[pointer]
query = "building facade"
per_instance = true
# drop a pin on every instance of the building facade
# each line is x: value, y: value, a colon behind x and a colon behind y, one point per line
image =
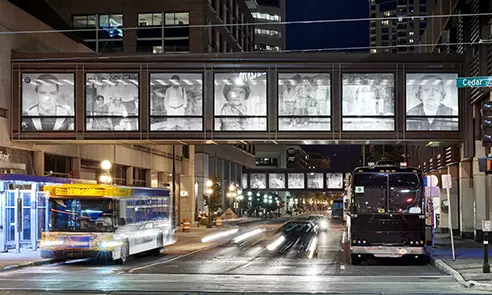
x: 154, y: 27
x: 402, y: 28
x: 468, y: 36
x: 269, y: 35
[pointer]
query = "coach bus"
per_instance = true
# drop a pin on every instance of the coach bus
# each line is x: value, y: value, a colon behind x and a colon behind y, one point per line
x: 386, y: 213
x: 105, y: 221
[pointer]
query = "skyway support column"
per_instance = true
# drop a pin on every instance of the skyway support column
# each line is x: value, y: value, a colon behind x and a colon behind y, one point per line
x: 479, y: 191
x: 467, y: 199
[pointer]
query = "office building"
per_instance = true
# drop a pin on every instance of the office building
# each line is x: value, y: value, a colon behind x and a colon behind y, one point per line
x: 317, y: 161
x: 173, y: 26
x: 401, y: 29
x: 269, y: 35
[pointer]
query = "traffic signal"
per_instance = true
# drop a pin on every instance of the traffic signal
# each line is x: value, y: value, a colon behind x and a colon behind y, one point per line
x: 489, y: 166
x: 486, y: 123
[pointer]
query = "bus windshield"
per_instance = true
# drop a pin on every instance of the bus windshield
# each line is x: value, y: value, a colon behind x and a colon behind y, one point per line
x: 82, y: 214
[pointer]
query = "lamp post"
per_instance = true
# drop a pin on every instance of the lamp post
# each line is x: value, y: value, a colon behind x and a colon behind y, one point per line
x: 209, y: 193
x: 106, y: 177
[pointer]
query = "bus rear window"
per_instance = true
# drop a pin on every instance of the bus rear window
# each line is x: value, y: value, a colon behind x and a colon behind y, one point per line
x: 370, y: 192
x: 404, y: 192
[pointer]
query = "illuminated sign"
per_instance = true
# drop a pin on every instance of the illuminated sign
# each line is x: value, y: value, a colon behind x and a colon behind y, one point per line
x: 80, y: 191
x: 250, y: 76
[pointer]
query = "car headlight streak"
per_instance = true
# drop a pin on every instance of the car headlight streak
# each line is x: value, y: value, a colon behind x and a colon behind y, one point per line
x: 276, y: 243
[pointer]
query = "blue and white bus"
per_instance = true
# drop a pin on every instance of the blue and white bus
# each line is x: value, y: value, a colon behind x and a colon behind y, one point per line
x: 106, y: 221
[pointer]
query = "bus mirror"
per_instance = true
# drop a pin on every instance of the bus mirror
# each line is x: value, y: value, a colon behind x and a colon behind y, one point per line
x: 121, y: 221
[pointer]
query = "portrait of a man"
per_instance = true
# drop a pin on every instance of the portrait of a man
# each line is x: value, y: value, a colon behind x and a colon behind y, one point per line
x: 50, y: 112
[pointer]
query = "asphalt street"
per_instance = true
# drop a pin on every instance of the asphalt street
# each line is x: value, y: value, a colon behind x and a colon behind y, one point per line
x: 235, y: 268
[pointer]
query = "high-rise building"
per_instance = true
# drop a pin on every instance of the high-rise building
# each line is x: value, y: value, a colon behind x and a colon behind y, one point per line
x: 157, y: 27
x: 396, y: 24
x: 269, y: 35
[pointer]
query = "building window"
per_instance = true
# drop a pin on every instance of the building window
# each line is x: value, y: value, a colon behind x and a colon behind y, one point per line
x: 374, y: 50
x: 186, y: 151
x: 150, y: 20
x: 85, y: 22
x: 266, y: 162
x: 387, y: 13
x: 109, y: 37
x: 267, y: 32
x: 385, y: 22
x: 139, y: 177
x: 177, y: 18
x: 111, y: 25
x: 410, y: 41
x: 411, y: 33
x: 176, y: 37
x: 266, y: 16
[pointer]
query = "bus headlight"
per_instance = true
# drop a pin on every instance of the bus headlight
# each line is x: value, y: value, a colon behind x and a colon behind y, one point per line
x: 323, y: 224
x: 110, y: 244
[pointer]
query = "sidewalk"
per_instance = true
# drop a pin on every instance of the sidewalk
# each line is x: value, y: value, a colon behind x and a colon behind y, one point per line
x: 467, y: 268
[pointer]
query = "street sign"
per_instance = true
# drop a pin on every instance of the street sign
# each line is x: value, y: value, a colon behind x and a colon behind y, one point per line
x: 467, y: 82
x: 486, y: 225
x: 446, y: 181
x: 431, y: 180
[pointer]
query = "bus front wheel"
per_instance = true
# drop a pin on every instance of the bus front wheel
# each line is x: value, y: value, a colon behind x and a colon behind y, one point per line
x: 125, y: 253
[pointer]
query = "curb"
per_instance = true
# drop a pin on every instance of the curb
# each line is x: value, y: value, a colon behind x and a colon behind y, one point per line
x: 31, y: 264
x: 443, y: 266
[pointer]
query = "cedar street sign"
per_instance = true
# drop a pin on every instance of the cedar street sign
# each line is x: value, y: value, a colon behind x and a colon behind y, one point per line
x: 467, y: 82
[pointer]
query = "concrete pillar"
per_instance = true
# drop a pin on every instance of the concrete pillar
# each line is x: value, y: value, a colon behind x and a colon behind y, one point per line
x: 201, y: 176
x: 467, y: 199
x: 454, y: 194
x: 38, y: 159
x: 479, y: 190
x: 129, y: 176
x: 76, y: 167
x: 148, y: 178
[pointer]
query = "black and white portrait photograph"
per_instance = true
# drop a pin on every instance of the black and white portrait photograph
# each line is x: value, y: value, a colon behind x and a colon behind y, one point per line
x: 257, y: 181
x: 112, y: 101
x: 334, y: 180
x: 244, y: 181
x: 47, y: 102
x: 315, y: 180
x: 432, y: 102
x: 301, y: 96
x: 276, y: 180
x: 176, y: 101
x: 368, y: 102
x: 295, y: 180
x: 240, y: 102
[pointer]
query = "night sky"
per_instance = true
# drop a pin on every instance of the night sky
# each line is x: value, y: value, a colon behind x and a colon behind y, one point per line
x: 329, y: 35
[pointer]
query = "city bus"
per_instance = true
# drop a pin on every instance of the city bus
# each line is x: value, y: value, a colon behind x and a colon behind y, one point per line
x: 386, y: 215
x: 337, y: 209
x: 105, y: 221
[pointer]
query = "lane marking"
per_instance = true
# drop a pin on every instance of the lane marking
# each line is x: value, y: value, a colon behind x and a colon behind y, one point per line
x: 172, y: 259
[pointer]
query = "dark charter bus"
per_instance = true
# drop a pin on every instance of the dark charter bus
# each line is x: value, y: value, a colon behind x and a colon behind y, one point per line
x: 386, y: 215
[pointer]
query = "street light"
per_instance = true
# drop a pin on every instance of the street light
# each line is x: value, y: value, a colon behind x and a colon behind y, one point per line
x: 106, y: 175
x: 209, y: 183
x: 106, y: 165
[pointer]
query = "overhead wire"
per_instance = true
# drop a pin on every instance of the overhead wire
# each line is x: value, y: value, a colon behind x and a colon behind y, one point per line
x: 323, y: 21
x: 224, y: 54
x: 330, y: 49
